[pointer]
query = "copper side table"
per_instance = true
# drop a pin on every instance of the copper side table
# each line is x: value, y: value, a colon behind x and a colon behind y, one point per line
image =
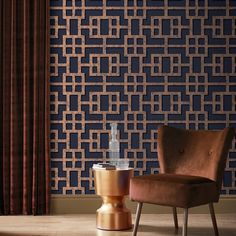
x: 113, y: 186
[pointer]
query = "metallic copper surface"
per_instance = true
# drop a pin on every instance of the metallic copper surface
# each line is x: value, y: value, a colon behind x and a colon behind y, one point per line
x: 112, y: 186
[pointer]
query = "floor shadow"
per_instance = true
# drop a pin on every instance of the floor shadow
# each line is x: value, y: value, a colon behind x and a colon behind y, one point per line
x: 112, y: 233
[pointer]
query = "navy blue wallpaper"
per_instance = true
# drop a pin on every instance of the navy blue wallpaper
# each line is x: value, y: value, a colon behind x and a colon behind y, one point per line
x: 141, y: 64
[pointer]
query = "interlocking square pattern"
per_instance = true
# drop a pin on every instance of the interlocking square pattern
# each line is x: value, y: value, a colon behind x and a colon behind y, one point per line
x: 140, y: 64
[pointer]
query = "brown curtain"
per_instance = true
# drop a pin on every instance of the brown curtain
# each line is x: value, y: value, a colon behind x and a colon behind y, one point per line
x: 24, y: 104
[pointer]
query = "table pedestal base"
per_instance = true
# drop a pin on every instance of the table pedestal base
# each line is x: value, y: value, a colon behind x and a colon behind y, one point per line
x: 113, y: 214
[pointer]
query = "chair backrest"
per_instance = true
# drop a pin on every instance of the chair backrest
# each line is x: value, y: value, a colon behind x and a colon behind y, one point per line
x: 194, y: 152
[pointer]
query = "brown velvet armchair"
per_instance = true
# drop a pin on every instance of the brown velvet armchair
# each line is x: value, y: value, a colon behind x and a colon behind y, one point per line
x: 192, y: 164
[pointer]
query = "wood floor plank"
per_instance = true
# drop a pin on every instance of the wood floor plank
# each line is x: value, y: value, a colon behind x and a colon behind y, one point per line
x: 85, y: 225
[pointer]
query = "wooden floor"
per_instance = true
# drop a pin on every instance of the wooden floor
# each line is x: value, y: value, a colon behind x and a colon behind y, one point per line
x: 74, y: 225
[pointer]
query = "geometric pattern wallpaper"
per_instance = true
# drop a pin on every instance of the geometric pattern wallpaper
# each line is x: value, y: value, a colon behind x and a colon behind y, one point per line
x: 140, y: 64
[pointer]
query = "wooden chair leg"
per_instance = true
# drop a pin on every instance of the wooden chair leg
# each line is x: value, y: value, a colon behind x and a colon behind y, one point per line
x: 138, y: 213
x: 175, y: 218
x: 185, y: 224
x: 213, y: 218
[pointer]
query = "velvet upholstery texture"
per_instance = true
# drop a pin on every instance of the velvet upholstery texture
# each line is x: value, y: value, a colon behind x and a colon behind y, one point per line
x: 24, y: 104
x: 173, y: 190
x: 191, y: 164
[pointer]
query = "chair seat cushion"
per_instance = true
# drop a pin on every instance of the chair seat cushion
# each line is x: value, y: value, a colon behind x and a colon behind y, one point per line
x: 173, y: 190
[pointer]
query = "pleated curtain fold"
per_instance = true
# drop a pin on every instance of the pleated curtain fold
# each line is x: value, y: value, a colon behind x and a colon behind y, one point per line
x: 24, y: 104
